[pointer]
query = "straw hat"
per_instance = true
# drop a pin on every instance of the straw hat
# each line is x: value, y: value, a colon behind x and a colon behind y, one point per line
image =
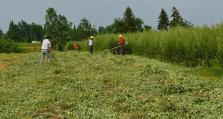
x: 120, y: 35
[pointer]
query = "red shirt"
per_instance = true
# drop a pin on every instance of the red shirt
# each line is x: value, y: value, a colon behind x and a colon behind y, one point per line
x: 121, y: 41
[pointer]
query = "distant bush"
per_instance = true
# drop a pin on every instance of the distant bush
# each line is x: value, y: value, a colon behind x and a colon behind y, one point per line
x: 7, y: 46
x: 68, y: 45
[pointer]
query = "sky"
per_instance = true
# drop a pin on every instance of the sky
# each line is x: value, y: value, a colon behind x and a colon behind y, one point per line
x: 103, y: 12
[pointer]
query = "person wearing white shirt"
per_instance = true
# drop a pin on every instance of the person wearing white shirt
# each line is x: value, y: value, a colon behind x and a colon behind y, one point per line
x: 91, y: 44
x: 46, y: 49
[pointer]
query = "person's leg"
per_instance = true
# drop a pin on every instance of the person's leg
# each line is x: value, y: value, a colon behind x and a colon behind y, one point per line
x: 92, y: 49
x: 42, y: 56
x: 89, y: 49
x: 121, y: 49
x: 49, y: 56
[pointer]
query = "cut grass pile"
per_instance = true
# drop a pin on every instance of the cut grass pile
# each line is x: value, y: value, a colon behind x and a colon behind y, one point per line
x: 78, y: 85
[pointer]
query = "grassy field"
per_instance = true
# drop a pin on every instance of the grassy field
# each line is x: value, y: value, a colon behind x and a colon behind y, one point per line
x: 102, y: 86
x: 29, y: 47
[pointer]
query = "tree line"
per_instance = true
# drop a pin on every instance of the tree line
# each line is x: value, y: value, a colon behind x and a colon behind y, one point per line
x: 177, y: 20
x: 61, y: 30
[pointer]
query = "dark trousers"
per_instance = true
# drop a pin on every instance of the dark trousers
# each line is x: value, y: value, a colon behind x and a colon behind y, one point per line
x: 122, y: 50
x: 90, y: 48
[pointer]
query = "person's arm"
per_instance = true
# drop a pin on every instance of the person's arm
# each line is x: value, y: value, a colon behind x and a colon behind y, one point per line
x: 49, y: 47
x: 94, y: 41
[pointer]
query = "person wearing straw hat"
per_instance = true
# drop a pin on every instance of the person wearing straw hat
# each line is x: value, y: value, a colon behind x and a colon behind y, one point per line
x: 121, y: 45
x: 46, y: 49
x: 91, y: 44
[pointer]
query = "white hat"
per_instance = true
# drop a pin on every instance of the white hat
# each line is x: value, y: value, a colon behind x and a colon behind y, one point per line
x: 92, y: 37
x: 120, y: 35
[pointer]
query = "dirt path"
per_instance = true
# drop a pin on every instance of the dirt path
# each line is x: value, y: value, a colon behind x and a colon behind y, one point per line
x: 6, y: 61
x: 3, y: 66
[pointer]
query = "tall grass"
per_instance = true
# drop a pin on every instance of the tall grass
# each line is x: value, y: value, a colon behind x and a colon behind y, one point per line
x: 191, y: 46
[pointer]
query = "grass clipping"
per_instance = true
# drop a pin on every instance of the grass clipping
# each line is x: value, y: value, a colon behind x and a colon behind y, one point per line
x: 79, y: 85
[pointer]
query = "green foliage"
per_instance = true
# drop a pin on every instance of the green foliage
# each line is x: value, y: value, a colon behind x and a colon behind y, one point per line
x: 163, y: 21
x: 13, y: 31
x: 102, y: 30
x: 58, y: 28
x: 30, y: 32
x: 36, y: 32
x: 129, y: 23
x: 133, y: 23
x: 76, y: 85
x: 70, y: 46
x: 1, y: 34
x: 190, y: 46
x: 107, y: 42
x: 24, y: 32
x: 147, y: 28
x: 177, y: 20
x: 85, y: 29
x: 7, y: 46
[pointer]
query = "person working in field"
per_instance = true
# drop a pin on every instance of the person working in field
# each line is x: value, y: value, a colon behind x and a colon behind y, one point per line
x: 46, y: 49
x: 91, y: 44
x: 121, y: 45
x: 76, y: 46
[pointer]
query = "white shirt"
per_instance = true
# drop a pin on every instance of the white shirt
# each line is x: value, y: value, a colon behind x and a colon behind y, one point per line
x: 46, y: 44
x: 90, y: 42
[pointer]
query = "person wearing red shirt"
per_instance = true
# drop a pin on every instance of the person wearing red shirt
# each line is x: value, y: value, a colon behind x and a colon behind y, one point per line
x: 121, y: 45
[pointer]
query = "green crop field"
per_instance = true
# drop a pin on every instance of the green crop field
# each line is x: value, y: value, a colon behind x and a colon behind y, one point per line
x: 190, y: 46
x: 104, y: 86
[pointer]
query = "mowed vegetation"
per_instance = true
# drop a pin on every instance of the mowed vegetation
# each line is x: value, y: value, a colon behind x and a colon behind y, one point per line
x: 190, y: 46
x: 79, y: 85
x: 153, y: 82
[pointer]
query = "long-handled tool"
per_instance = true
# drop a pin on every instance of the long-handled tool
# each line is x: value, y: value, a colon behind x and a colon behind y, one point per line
x: 114, y: 48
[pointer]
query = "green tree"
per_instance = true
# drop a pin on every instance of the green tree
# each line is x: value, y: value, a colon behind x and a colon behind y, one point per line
x: 177, y: 20
x: 119, y: 26
x: 109, y: 29
x: 186, y: 23
x: 74, y: 33
x: 94, y: 31
x: 138, y: 24
x: 29, y: 32
x: 58, y: 28
x: 101, y: 30
x: 163, y: 20
x: 147, y: 28
x: 1, y: 34
x: 129, y: 23
x: 132, y: 23
x: 13, y: 32
x: 51, y: 25
x: 85, y: 29
x: 129, y: 19
x: 24, y: 30
x: 37, y: 32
